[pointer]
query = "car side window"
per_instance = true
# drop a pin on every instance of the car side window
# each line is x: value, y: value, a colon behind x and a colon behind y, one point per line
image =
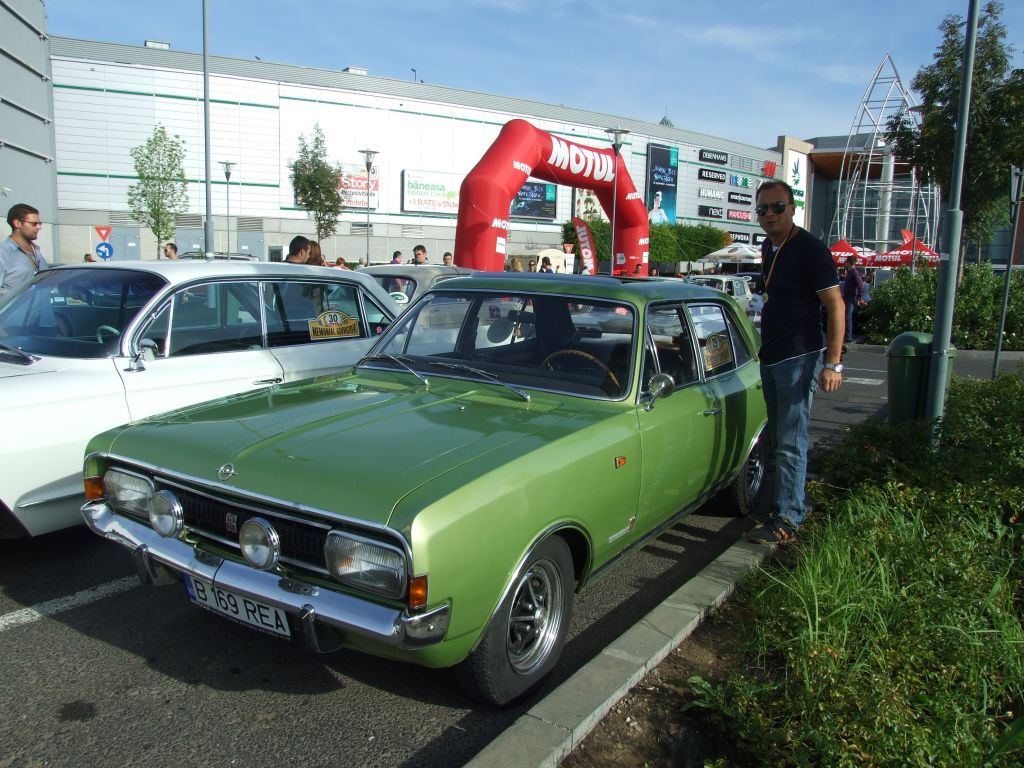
x: 307, y: 312
x: 718, y: 354
x: 203, y: 319
x: 673, y: 346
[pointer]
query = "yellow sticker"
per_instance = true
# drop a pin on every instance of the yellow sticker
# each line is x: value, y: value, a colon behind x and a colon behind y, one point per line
x: 333, y: 325
x: 717, y: 350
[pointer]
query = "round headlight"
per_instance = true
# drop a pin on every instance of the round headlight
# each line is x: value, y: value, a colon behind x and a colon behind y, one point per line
x: 165, y: 513
x: 260, y: 544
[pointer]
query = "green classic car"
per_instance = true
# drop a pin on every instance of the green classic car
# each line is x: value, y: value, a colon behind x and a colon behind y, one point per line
x: 506, y: 441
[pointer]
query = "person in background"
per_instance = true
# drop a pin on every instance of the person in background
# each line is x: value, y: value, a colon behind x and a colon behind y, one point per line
x: 88, y: 259
x: 316, y: 256
x: 853, y: 294
x: 515, y: 265
x: 362, y: 263
x: 799, y: 279
x: 340, y: 263
x: 298, y: 250
x: 532, y: 266
x: 170, y: 251
x: 20, y: 258
x: 419, y: 254
x: 653, y: 272
x: 545, y: 266
x: 396, y: 257
x: 448, y: 259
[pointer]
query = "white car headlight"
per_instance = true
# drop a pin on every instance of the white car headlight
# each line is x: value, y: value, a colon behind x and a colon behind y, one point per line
x: 166, y: 514
x: 128, y: 492
x: 366, y: 564
x: 260, y: 544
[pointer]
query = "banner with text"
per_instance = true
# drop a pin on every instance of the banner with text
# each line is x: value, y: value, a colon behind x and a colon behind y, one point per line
x: 353, y: 186
x: 662, y: 180
x: 586, y: 238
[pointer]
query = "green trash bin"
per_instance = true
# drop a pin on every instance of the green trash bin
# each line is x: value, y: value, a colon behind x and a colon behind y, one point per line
x: 909, y: 360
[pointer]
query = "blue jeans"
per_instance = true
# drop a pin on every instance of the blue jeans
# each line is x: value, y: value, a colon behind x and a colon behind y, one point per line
x: 788, y: 391
x: 851, y: 305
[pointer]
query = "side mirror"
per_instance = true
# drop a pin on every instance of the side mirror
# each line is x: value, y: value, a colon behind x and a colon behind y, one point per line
x: 148, y: 350
x: 660, y: 385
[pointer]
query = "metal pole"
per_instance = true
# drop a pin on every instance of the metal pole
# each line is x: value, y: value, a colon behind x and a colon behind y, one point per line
x: 228, y: 165
x: 1016, y: 195
x: 208, y: 226
x: 616, y: 135
x: 368, y: 155
x: 949, y: 260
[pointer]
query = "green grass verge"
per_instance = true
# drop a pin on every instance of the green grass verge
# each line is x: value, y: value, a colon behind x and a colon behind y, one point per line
x: 892, y: 634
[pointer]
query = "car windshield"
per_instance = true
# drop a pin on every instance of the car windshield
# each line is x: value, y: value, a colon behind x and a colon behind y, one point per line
x: 76, y: 312
x: 566, y: 344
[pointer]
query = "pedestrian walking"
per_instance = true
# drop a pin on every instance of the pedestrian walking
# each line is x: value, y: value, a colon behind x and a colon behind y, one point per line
x: 20, y: 257
x: 853, y: 293
x: 799, y: 278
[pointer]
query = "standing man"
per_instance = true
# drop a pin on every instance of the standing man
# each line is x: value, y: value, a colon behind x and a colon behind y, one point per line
x: 545, y: 266
x: 448, y: 260
x: 419, y: 255
x: 298, y: 250
x: 396, y: 258
x: 171, y: 251
x: 853, y: 293
x: 20, y: 257
x: 799, y: 278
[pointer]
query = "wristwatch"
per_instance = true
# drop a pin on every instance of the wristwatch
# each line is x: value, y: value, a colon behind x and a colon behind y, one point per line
x: 837, y: 367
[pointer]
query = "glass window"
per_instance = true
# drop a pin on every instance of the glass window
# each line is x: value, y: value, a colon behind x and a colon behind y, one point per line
x: 673, y: 346
x: 202, y: 319
x: 308, y: 312
x: 713, y: 338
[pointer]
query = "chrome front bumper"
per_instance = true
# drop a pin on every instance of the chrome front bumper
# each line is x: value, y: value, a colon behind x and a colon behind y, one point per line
x: 309, y: 603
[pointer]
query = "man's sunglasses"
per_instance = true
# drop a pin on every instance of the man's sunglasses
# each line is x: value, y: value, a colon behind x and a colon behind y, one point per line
x: 763, y: 208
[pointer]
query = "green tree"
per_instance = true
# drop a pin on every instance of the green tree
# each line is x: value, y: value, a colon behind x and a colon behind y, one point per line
x: 162, y: 191
x: 995, y: 135
x: 315, y: 182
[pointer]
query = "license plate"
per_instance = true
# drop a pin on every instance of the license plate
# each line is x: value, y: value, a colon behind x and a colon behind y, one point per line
x: 243, y: 609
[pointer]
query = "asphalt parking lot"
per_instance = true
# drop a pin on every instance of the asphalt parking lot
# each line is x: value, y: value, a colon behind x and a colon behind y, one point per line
x: 99, y: 670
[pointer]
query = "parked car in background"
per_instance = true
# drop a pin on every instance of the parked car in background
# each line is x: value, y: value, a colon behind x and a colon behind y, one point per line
x: 219, y: 255
x: 85, y: 348
x: 733, y: 285
x: 505, y: 442
x: 755, y: 279
x: 406, y: 282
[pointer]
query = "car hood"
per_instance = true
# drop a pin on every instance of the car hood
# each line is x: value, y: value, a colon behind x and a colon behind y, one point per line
x: 352, y: 444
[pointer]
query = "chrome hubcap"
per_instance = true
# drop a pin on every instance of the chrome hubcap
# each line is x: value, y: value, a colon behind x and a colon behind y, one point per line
x: 535, y: 617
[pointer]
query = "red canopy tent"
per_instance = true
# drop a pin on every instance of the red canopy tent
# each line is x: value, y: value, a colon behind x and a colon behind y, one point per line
x: 842, y: 250
x: 903, y: 255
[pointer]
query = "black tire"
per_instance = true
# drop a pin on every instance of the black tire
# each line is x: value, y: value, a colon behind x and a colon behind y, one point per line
x: 519, y: 648
x: 743, y: 494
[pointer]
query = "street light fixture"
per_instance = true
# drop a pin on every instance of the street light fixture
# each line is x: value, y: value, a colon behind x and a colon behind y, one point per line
x: 616, y: 135
x: 368, y: 155
x: 228, y: 165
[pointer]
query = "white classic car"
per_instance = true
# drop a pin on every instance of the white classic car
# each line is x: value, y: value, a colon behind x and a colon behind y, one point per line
x: 85, y: 348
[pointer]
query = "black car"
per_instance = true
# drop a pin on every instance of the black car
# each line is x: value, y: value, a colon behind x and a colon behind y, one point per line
x: 755, y: 280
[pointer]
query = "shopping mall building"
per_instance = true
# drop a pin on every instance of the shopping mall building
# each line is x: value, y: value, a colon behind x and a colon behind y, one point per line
x: 71, y: 110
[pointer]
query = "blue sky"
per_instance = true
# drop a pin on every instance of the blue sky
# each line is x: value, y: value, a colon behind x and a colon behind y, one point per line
x: 746, y: 70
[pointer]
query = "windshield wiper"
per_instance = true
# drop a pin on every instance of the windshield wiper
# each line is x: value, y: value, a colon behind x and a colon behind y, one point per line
x: 482, y: 374
x: 24, y: 356
x: 402, y: 360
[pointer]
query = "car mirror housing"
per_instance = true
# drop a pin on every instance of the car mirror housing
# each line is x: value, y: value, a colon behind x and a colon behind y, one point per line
x: 660, y: 385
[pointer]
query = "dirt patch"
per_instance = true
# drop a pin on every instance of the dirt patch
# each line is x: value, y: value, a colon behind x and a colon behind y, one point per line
x: 651, y: 727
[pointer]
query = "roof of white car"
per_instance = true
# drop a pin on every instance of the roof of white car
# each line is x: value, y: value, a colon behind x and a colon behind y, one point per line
x: 186, y: 270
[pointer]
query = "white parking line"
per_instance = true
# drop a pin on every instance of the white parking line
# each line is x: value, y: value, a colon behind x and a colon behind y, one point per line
x: 858, y: 380
x: 61, y: 604
x: 872, y: 370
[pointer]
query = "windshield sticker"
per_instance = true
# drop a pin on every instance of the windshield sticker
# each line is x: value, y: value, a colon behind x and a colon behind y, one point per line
x: 717, y: 351
x: 333, y: 325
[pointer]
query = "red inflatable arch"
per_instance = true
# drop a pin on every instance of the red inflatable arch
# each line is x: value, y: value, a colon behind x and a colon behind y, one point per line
x: 522, y: 150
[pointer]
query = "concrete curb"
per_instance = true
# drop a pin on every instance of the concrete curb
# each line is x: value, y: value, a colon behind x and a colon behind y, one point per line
x: 548, y: 732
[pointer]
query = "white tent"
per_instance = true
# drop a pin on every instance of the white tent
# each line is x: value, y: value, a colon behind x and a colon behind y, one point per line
x: 736, y: 252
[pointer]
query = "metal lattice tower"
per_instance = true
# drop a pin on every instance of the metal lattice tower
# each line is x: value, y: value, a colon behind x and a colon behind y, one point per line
x: 877, y: 194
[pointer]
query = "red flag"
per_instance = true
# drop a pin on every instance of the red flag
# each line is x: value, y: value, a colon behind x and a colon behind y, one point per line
x: 586, y: 238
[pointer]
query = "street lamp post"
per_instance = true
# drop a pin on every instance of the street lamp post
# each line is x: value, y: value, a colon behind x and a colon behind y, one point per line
x: 228, y: 165
x: 368, y: 155
x: 616, y: 135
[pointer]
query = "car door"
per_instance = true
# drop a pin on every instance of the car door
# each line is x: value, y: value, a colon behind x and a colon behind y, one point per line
x: 731, y: 378
x: 679, y: 433
x: 204, y: 342
x: 316, y: 328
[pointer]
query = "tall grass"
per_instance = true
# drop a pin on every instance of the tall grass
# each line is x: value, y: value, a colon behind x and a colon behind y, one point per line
x: 894, y: 635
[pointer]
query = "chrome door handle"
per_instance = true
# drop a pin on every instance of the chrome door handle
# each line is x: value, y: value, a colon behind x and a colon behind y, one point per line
x: 711, y: 412
x: 278, y: 380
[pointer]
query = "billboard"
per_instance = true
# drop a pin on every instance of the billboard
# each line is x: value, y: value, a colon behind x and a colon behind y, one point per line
x: 586, y: 205
x: 353, y: 186
x: 430, y: 191
x: 534, y: 200
x: 662, y: 180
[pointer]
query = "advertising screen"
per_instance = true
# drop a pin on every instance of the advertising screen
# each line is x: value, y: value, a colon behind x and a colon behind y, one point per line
x: 535, y: 200
x: 662, y: 180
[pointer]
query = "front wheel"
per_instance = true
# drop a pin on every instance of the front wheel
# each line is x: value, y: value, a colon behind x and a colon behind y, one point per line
x: 524, y: 639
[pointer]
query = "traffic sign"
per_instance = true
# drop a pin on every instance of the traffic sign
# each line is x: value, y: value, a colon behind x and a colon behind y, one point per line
x: 105, y: 250
x: 103, y: 232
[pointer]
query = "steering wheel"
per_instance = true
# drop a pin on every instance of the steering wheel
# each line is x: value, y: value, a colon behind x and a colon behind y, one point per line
x: 586, y: 356
x: 106, y: 329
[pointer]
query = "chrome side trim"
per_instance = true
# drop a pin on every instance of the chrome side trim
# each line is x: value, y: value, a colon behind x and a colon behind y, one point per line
x: 384, y: 624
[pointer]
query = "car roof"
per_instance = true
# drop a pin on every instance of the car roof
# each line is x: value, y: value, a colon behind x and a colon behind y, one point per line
x: 432, y: 270
x: 180, y: 271
x: 639, y: 290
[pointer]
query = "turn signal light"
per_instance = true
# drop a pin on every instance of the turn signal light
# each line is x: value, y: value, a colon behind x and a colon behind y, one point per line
x: 417, y: 591
x: 94, y: 488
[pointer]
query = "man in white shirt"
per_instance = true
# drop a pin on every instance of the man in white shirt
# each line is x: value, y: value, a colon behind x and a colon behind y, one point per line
x: 20, y: 257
